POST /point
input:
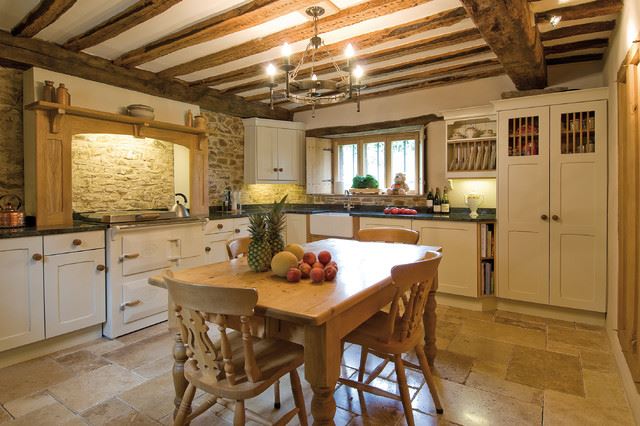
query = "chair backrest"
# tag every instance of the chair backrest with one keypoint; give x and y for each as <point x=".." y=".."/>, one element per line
<point x="196" y="303"/>
<point x="413" y="281"/>
<point x="238" y="246"/>
<point x="389" y="235"/>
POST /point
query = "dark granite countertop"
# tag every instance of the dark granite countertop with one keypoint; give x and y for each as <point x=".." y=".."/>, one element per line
<point x="34" y="231"/>
<point x="451" y="217"/>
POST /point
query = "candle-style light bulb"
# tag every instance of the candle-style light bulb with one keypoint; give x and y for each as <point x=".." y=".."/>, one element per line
<point x="349" y="52"/>
<point x="314" y="77"/>
<point x="271" y="72"/>
<point x="286" y="53"/>
<point x="358" y="72"/>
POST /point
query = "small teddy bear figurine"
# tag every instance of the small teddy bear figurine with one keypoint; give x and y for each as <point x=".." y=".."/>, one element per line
<point x="399" y="186"/>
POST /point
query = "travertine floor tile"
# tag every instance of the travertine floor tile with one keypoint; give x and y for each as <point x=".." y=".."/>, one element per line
<point x="54" y="414"/>
<point x="546" y="370"/>
<point x="30" y="377"/>
<point x="4" y="415"/>
<point x="97" y="347"/>
<point x="506" y="333"/>
<point x="569" y="410"/>
<point x="145" y="333"/>
<point x="93" y="387"/>
<point x="143" y="351"/>
<point x="509" y="389"/>
<point x="452" y="366"/>
<point x="447" y="330"/>
<point x="605" y="389"/>
<point x="491" y="368"/>
<point x="21" y="406"/>
<point x="598" y="361"/>
<point x="481" y="349"/>
<point x="82" y="361"/>
<point x="592" y="340"/>
<point x="115" y="412"/>
<point x="152" y="398"/>
<point x="521" y="323"/>
<point x="376" y="408"/>
<point x="155" y="367"/>
<point x="457" y="315"/>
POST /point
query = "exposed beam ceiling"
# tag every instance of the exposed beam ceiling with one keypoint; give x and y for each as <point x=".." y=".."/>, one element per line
<point x="506" y="27"/>
<point x="577" y="45"/>
<point x="134" y="15"/>
<point x="583" y="10"/>
<point x="372" y="127"/>
<point x="43" y="15"/>
<point x="574" y="30"/>
<point x="575" y="58"/>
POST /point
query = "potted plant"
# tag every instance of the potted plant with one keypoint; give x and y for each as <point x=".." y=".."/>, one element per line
<point x="364" y="185"/>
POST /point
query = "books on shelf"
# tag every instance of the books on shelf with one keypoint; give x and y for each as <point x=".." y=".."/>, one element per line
<point x="487" y="254"/>
<point x="487" y="240"/>
<point x="488" y="278"/>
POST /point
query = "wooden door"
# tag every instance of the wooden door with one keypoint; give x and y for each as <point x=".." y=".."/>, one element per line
<point x="289" y="148"/>
<point x="319" y="167"/>
<point x="266" y="153"/>
<point x="578" y="206"/>
<point x="21" y="292"/>
<point x="74" y="291"/>
<point x="523" y="204"/>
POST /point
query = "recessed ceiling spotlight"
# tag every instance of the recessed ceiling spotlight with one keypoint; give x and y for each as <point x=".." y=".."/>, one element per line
<point x="554" y="20"/>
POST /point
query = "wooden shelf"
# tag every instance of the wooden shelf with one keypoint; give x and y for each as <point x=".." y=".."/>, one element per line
<point x="480" y="139"/>
<point x="470" y="174"/>
<point x="59" y="110"/>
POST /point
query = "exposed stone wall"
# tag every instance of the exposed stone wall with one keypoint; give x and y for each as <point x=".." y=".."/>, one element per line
<point x="119" y="172"/>
<point x="11" y="148"/>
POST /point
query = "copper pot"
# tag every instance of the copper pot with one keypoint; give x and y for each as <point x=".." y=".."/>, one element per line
<point x="10" y="216"/>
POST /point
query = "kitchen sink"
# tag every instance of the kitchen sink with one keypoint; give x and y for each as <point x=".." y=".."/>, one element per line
<point x="331" y="224"/>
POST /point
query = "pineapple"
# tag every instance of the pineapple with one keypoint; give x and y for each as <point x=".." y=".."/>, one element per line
<point x="259" y="256"/>
<point x="275" y="226"/>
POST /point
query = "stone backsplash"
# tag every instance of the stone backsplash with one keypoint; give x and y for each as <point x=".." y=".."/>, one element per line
<point x="119" y="172"/>
<point x="11" y="148"/>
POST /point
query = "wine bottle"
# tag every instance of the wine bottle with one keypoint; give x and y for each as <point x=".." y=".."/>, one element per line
<point x="437" y="203"/>
<point x="430" y="201"/>
<point x="445" y="202"/>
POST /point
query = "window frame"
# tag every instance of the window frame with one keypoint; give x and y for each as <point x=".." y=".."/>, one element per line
<point x="387" y="138"/>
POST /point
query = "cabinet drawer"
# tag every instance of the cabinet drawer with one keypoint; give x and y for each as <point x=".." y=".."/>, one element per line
<point x="141" y="300"/>
<point x="376" y="222"/>
<point x="217" y="226"/>
<point x="69" y="243"/>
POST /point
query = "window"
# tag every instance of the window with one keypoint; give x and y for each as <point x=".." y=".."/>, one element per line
<point x="380" y="156"/>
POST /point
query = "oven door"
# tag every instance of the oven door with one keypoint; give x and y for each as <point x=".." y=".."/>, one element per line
<point x="148" y="251"/>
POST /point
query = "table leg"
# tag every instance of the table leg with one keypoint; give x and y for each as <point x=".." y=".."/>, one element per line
<point x="322" y="369"/>
<point x="179" y="381"/>
<point x="429" y="320"/>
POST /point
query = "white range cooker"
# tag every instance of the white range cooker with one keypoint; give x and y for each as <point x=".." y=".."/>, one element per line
<point x="140" y="245"/>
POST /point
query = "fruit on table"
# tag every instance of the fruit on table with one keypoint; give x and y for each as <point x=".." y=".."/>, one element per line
<point x="282" y="262"/>
<point x="317" y="275"/>
<point x="305" y="269"/>
<point x="295" y="249"/>
<point x="309" y="258"/>
<point x="324" y="257"/>
<point x="400" y="210"/>
<point x="259" y="255"/>
<point x="294" y="275"/>
<point x="333" y="264"/>
<point x="317" y="265"/>
<point x="330" y="273"/>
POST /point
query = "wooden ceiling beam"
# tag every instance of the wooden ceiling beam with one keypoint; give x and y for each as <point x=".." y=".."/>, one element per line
<point x="364" y="41"/>
<point x="574" y="30"/>
<point x="581" y="11"/>
<point x="507" y="29"/>
<point x="240" y="18"/>
<point x="576" y="58"/>
<point x="40" y="17"/>
<point x="422" y="120"/>
<point x="595" y="43"/>
<point x="377" y="56"/>
<point x="134" y="15"/>
<point x="344" y="18"/>
<point x="50" y="56"/>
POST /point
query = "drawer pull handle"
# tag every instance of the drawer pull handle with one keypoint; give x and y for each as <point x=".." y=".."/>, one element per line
<point x="130" y="304"/>
<point x="129" y="256"/>
<point x="37" y="257"/>
<point x="237" y="231"/>
<point x="207" y="249"/>
<point x="220" y="226"/>
<point x="76" y="242"/>
<point x="101" y="268"/>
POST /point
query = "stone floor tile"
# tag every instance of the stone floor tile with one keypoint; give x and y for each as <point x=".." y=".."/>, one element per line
<point x="598" y="361"/>
<point x="604" y="388"/>
<point x="447" y="330"/>
<point x="495" y="369"/>
<point x="521" y="323"/>
<point x="97" y="347"/>
<point x="562" y="347"/>
<point x="155" y="367"/>
<point x="590" y="327"/>
<point x="458" y="315"/>
<point x="82" y="361"/>
<point x="452" y="366"/>
<point x="145" y="333"/>
<point x="509" y="389"/>
<point x="351" y="358"/>
<point x="587" y="339"/>
<point x="153" y="398"/>
<point x="21" y="406"/>
<point x="86" y="390"/>
<point x="546" y="370"/>
<point x="481" y="349"/>
<point x="143" y="351"/>
<point x="29" y="377"/>
<point x="506" y="333"/>
<point x="503" y="315"/>
<point x="4" y="415"/>
<point x="54" y="414"/>
<point x="115" y="412"/>
<point x="570" y="410"/>
<point x="375" y="408"/>
<point x="415" y="378"/>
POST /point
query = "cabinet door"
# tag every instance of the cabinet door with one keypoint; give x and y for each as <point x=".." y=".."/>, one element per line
<point x="289" y="149"/>
<point x="74" y="291"/>
<point x="378" y="222"/>
<point x="458" y="270"/>
<point x="523" y="204"/>
<point x="319" y="170"/>
<point x="21" y="292"/>
<point x="578" y="205"/>
<point x="296" y="229"/>
<point x="215" y="250"/>
<point x="266" y="153"/>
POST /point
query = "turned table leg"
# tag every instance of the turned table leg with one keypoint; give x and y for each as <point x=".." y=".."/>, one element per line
<point x="179" y="381"/>
<point x="429" y="320"/>
<point x="322" y="369"/>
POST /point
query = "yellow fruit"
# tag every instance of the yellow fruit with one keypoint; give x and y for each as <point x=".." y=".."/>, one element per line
<point x="282" y="261"/>
<point x="295" y="249"/>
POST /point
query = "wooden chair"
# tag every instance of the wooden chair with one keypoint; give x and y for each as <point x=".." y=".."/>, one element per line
<point x="389" y="335"/>
<point x="238" y="246"/>
<point x="389" y="235"/>
<point x="236" y="367"/>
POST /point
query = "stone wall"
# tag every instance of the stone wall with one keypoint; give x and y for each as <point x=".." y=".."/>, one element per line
<point x="11" y="149"/>
<point x="120" y="172"/>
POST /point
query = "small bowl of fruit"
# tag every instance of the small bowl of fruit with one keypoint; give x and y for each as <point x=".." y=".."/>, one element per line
<point x="400" y="211"/>
<point x="294" y="264"/>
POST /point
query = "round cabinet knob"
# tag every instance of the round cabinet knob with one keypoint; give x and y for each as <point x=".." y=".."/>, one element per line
<point x="275" y="169"/>
<point x="37" y="257"/>
<point x="101" y="268"/>
<point x="220" y="226"/>
<point x="237" y="231"/>
<point x="207" y="249"/>
<point x="555" y="217"/>
<point x="280" y="169"/>
<point x="76" y="242"/>
<point x="544" y="217"/>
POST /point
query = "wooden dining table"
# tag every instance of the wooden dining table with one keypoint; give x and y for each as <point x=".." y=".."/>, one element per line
<point x="318" y="316"/>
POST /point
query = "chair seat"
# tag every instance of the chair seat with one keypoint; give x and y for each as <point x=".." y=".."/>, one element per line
<point x="368" y="335"/>
<point x="275" y="358"/>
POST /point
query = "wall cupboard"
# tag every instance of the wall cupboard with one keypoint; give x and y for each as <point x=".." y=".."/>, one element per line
<point x="319" y="167"/>
<point x="552" y="198"/>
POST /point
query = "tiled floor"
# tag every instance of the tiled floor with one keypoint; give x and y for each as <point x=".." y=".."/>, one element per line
<point x="493" y="369"/>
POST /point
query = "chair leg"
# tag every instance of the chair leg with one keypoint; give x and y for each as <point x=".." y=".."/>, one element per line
<point x="298" y="396"/>
<point x="428" y="377"/>
<point x="185" y="405"/>
<point x="239" y="414"/>
<point x="404" y="389"/>
<point x="276" y="395"/>
<point x="363" y="363"/>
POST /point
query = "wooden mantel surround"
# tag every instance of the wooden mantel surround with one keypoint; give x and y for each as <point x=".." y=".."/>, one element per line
<point x="48" y="156"/>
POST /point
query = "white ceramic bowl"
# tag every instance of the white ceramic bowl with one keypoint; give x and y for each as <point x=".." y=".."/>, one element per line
<point x="142" y="111"/>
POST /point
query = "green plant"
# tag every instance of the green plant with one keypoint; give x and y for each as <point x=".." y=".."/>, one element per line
<point x="275" y="226"/>
<point x="367" y="181"/>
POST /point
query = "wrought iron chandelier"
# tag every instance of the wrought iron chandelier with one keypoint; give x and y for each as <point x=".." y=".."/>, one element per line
<point x="314" y="90"/>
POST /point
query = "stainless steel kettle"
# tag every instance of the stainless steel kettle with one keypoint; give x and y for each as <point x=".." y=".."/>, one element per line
<point x="180" y="209"/>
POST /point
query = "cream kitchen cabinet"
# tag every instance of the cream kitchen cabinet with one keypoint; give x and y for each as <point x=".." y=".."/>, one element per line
<point x="273" y="151"/>
<point x="376" y="222"/>
<point x="216" y="235"/>
<point x="21" y="292"/>
<point x="296" y="228"/>
<point x="319" y="169"/>
<point x="552" y="198"/>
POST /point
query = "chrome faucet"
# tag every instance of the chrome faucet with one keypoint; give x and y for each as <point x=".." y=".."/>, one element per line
<point x="347" y="205"/>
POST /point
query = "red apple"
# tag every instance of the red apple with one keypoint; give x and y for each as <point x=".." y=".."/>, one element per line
<point x="309" y="258"/>
<point x="330" y="273"/>
<point x="305" y="269"/>
<point x="317" y="275"/>
<point x="394" y="210"/>
<point x="294" y="275"/>
<point x="333" y="264"/>
<point x="387" y="210"/>
<point x="324" y="257"/>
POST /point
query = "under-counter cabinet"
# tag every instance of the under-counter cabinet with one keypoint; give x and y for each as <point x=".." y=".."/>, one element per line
<point x="274" y="151"/>
<point x="21" y="292"/>
<point x="296" y="228"/>
<point x="552" y="198"/>
<point x="216" y="235"/>
<point x="376" y="222"/>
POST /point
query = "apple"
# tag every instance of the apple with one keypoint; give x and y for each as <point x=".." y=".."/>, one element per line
<point x="387" y="210"/>
<point x="332" y="264"/>
<point x="324" y="257"/>
<point x="305" y="269"/>
<point x="309" y="258"/>
<point x="317" y="265"/>
<point x="330" y="273"/>
<point x="394" y="210"/>
<point x="294" y="275"/>
<point x="317" y="275"/>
